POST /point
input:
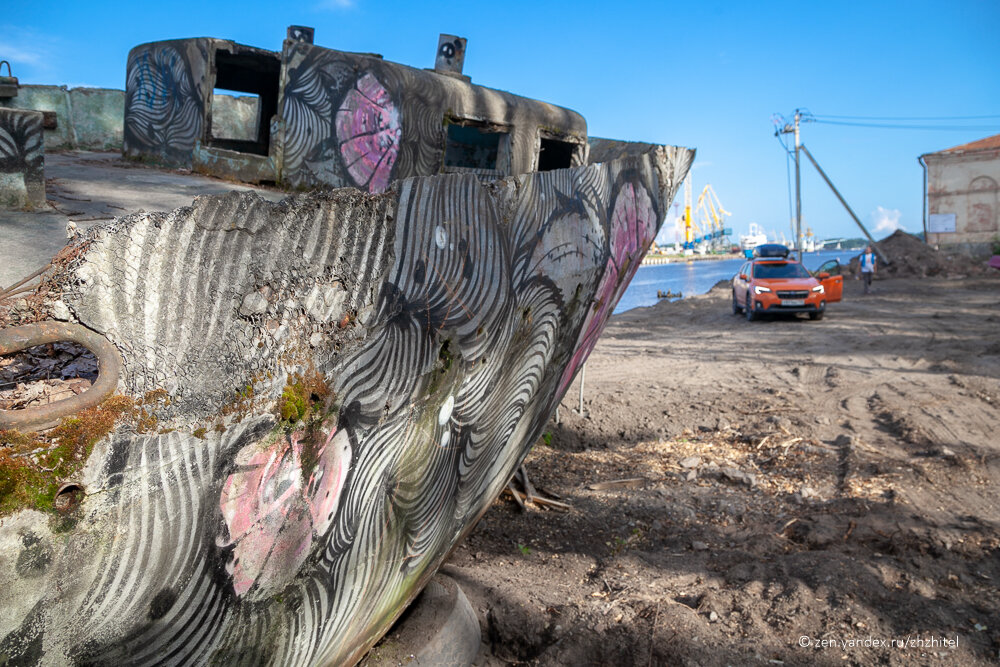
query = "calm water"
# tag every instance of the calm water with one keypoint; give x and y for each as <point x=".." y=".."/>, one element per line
<point x="692" y="278"/>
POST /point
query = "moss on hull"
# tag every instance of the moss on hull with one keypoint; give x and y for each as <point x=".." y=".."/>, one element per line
<point x="34" y="466"/>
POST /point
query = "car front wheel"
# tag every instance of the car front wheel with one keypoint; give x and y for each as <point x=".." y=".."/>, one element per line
<point x="817" y="315"/>
<point x="749" y="309"/>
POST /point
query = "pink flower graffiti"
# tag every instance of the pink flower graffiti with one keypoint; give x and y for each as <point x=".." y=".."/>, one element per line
<point x="368" y="129"/>
<point x="633" y="223"/>
<point x="272" y="511"/>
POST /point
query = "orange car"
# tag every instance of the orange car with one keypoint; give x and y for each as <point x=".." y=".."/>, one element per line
<point x="779" y="284"/>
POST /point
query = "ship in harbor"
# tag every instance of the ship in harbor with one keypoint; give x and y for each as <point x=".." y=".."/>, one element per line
<point x="756" y="236"/>
<point x="303" y="407"/>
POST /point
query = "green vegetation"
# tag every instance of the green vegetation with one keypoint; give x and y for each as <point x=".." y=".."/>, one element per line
<point x="442" y="366"/>
<point x="622" y="544"/>
<point x="33" y="467"/>
<point x="306" y="402"/>
<point x="304" y="397"/>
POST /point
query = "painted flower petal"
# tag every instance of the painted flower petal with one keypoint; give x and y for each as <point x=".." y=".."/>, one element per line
<point x="291" y="546"/>
<point x="327" y="480"/>
<point x="272" y="550"/>
<point x="368" y="129"/>
<point x="268" y="521"/>
<point x="633" y="223"/>
<point x="263" y="487"/>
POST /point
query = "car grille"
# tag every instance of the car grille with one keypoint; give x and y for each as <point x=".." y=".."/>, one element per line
<point x="792" y="295"/>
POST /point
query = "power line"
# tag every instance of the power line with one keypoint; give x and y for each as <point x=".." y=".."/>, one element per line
<point x="779" y="122"/>
<point x="906" y="117"/>
<point x="890" y="126"/>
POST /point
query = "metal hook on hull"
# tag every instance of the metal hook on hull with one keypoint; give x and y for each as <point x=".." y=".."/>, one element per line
<point x="109" y="367"/>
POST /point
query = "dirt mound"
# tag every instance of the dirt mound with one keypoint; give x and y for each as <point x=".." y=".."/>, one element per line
<point x="909" y="257"/>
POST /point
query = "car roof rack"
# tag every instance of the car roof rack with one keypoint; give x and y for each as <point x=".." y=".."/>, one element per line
<point x="770" y="251"/>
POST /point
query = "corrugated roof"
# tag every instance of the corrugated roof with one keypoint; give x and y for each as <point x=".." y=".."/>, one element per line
<point x="981" y="145"/>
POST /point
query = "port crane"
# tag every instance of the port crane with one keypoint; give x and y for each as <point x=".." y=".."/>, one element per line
<point x="704" y="223"/>
<point x="712" y="212"/>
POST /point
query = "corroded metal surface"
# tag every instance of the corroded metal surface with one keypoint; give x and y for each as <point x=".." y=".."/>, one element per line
<point x="15" y="339"/>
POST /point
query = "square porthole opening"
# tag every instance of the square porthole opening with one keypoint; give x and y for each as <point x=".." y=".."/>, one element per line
<point x="246" y="83"/>
<point x="235" y="116"/>
<point x="476" y="146"/>
<point x="555" y="154"/>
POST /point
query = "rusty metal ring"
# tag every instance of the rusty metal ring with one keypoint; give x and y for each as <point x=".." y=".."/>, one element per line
<point x="109" y="366"/>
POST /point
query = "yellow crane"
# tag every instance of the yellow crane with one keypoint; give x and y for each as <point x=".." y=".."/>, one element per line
<point x="712" y="213"/>
<point x="688" y="236"/>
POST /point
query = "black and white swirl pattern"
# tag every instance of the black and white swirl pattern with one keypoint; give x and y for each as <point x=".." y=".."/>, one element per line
<point x="443" y="316"/>
<point x="164" y="103"/>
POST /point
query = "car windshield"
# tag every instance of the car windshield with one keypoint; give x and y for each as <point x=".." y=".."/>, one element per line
<point x="780" y="270"/>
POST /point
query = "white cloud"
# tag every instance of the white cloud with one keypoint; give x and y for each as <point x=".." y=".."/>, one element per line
<point x="18" y="55"/>
<point x="336" y="4"/>
<point x="33" y="56"/>
<point x="886" y="220"/>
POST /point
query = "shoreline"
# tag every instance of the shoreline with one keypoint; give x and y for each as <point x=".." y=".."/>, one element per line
<point x="658" y="260"/>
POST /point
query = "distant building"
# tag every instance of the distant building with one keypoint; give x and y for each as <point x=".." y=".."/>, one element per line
<point x="962" y="195"/>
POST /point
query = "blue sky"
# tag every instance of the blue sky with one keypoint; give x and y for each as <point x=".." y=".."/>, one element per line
<point x="709" y="75"/>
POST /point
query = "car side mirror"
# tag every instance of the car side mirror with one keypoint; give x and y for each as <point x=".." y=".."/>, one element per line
<point x="743" y="276"/>
<point x="823" y="276"/>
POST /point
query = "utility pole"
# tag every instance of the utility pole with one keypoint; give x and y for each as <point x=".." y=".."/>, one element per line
<point x="799" y="148"/>
<point x="790" y="129"/>
<point x="798" y="189"/>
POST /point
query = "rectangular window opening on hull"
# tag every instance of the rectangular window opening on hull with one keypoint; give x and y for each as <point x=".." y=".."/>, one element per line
<point x="235" y="116"/>
<point x="476" y="146"/>
<point x="555" y="154"/>
<point x="244" y="100"/>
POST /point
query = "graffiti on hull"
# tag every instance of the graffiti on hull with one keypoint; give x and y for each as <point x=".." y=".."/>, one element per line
<point x="338" y="119"/>
<point x="164" y="100"/>
<point x="278" y="524"/>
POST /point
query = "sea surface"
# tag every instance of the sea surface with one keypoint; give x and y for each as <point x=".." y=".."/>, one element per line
<point x="690" y="278"/>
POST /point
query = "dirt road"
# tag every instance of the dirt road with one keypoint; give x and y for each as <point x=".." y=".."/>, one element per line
<point x="787" y="483"/>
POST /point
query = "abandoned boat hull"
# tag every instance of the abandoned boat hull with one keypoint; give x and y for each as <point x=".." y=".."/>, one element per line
<point x="341" y="383"/>
<point x="333" y="118"/>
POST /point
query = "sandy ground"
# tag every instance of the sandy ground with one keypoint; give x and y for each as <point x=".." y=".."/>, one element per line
<point x="775" y="492"/>
<point x="788" y="483"/>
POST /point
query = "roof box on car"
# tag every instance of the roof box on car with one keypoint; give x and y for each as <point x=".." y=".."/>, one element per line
<point x="770" y="250"/>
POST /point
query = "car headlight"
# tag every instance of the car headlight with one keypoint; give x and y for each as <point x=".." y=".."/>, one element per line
<point x="757" y="289"/>
<point x="820" y="289"/>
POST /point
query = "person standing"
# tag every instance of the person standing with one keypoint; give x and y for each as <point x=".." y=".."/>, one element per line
<point x="868" y="267"/>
